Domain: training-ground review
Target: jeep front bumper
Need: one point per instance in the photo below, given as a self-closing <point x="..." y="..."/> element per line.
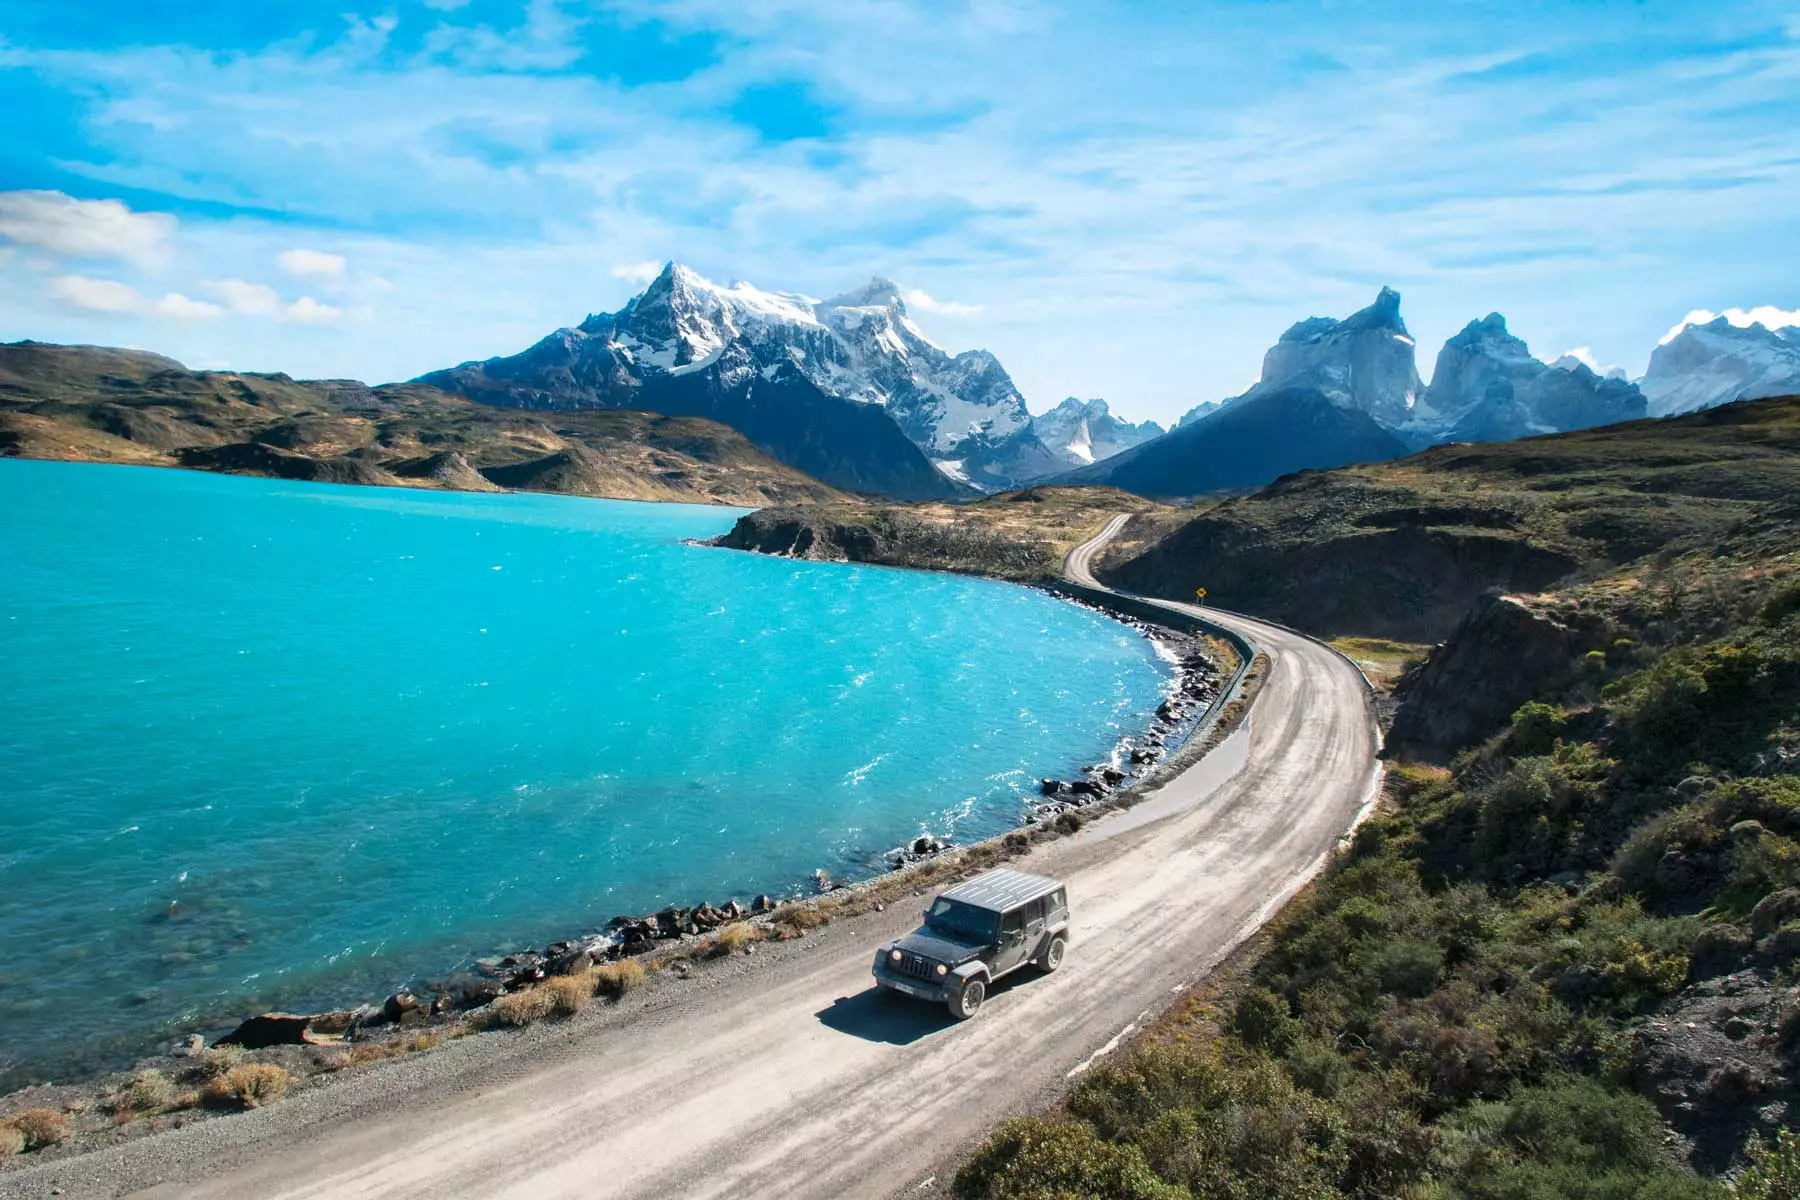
<point x="918" y="988"/>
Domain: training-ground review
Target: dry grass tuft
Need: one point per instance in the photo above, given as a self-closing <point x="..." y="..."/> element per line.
<point x="251" y="1085"/>
<point x="569" y="994"/>
<point x="426" y="1040"/>
<point x="221" y="1060"/>
<point x="11" y="1142"/>
<point x="735" y="937"/>
<point x="613" y="980"/>
<point x="522" y="1008"/>
<point x="147" y="1092"/>
<point x="40" y="1127"/>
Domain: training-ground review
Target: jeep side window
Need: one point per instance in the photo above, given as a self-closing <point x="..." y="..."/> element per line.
<point x="1013" y="924"/>
<point x="1057" y="902"/>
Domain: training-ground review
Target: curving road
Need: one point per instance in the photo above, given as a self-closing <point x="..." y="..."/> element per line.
<point x="784" y="1075"/>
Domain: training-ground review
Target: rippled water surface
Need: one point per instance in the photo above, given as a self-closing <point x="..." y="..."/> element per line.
<point x="268" y="743"/>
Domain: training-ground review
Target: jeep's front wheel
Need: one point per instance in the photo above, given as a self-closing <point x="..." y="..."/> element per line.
<point x="1053" y="954"/>
<point x="967" y="1002"/>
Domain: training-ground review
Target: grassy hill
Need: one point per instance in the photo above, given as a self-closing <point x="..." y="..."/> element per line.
<point x="1401" y="549"/>
<point x="1021" y="535"/>
<point x="1563" y="962"/>
<point x="95" y="404"/>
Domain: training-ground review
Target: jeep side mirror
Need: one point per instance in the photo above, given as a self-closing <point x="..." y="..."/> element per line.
<point x="925" y="914"/>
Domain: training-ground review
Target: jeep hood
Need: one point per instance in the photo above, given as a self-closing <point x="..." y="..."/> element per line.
<point x="929" y="943"/>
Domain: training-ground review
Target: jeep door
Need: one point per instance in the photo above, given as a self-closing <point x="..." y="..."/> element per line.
<point x="1013" y="945"/>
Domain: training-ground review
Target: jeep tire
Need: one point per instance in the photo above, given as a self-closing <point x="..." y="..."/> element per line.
<point x="1053" y="954"/>
<point x="967" y="1001"/>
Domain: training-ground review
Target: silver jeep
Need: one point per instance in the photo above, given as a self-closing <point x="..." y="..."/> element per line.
<point x="975" y="933"/>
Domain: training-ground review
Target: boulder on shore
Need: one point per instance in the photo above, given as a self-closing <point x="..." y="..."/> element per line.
<point x="269" y="1029"/>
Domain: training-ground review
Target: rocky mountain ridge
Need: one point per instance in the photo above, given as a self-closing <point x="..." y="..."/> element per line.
<point x="776" y="365"/>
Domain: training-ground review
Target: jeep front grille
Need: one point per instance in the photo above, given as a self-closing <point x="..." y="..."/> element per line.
<point x="918" y="968"/>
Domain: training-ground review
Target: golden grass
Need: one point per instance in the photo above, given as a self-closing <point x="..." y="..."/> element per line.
<point x="613" y="980"/>
<point x="522" y="1008"/>
<point x="40" y="1126"/>
<point x="251" y="1085"/>
<point x="1383" y="660"/>
<point x="220" y="1060"/>
<point x="569" y="994"/>
<point x="12" y="1142"/>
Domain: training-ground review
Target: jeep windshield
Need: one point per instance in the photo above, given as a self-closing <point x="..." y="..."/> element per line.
<point x="960" y="920"/>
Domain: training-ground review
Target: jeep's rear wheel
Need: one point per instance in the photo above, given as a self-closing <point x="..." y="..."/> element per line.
<point x="967" y="1002"/>
<point x="1053" y="954"/>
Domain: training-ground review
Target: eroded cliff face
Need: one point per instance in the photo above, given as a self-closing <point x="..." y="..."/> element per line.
<point x="1505" y="653"/>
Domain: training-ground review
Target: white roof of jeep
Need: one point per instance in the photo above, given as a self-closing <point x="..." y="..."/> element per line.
<point x="1002" y="890"/>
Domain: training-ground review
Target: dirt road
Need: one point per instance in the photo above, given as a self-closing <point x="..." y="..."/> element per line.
<point x="788" y="1076"/>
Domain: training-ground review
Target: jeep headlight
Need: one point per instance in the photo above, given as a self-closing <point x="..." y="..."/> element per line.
<point x="894" y="954"/>
<point x="942" y="969"/>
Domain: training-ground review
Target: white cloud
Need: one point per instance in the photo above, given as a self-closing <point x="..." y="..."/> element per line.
<point x="308" y="310"/>
<point x="111" y="296"/>
<point x="1766" y="315"/>
<point x="312" y="262"/>
<point x="924" y="302"/>
<point x="639" y="273"/>
<point x="261" y="300"/>
<point x="180" y="308"/>
<point x="63" y="225"/>
<point x="95" y="295"/>
<point x="251" y="299"/>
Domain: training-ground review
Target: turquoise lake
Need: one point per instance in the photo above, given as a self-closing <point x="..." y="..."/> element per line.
<point x="270" y="744"/>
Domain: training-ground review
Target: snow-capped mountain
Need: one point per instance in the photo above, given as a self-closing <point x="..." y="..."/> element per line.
<point x="1718" y="362"/>
<point x="1200" y="412"/>
<point x="1487" y="387"/>
<point x="1364" y="361"/>
<point x="1079" y="432"/>
<point x="962" y="411"/>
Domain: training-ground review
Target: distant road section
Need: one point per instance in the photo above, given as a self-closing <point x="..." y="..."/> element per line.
<point x="786" y="1075"/>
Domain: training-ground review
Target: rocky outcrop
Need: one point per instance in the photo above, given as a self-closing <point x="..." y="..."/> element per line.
<point x="269" y="1029"/>
<point x="1504" y="654"/>
<point x="255" y="458"/>
<point x="448" y="470"/>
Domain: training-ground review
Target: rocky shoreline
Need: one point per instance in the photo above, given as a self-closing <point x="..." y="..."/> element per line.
<point x="426" y="1010"/>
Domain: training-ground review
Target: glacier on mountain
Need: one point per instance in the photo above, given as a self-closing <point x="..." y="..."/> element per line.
<point x="1703" y="364"/>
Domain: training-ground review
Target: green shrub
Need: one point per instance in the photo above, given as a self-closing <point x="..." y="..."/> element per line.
<point x="1262" y="1019"/>
<point x="1774" y="1172"/>
<point x="1535" y="727"/>
<point x="1029" y="1158"/>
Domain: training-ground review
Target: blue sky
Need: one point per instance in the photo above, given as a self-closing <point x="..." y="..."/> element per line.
<point x="1121" y="200"/>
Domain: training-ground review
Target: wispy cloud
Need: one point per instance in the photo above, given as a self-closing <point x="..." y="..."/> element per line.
<point x="1110" y="185"/>
<point x="312" y="263"/>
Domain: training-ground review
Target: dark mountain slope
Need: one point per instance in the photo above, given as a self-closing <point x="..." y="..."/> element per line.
<point x="1246" y="445"/>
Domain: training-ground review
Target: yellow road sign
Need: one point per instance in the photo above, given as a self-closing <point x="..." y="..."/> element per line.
<point x="1199" y="593"/>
